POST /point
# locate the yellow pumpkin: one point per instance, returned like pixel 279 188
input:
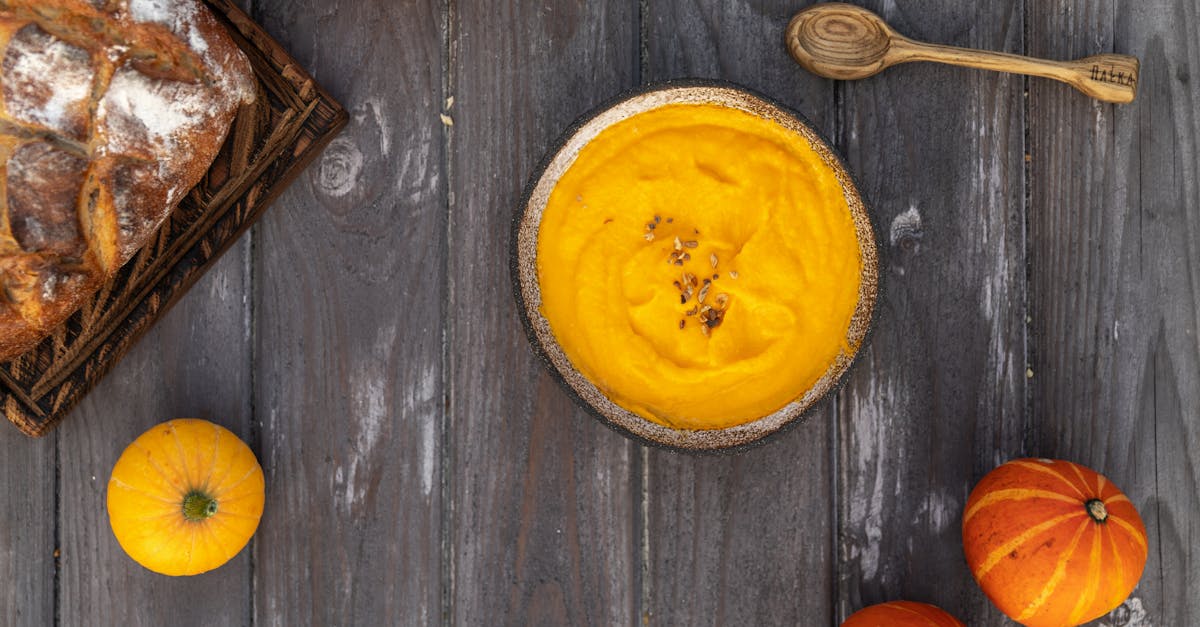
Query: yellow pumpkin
pixel 185 497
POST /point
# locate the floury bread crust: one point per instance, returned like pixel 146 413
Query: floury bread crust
pixel 110 112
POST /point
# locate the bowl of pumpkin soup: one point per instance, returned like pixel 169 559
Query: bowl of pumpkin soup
pixel 695 265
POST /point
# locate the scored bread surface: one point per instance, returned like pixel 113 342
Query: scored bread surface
pixel 110 112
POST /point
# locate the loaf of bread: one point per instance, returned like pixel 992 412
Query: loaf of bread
pixel 110 112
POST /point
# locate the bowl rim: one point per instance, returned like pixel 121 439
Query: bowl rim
pixel 523 252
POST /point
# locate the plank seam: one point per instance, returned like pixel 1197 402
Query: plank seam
pixel 643 42
pixel 1157 499
pixel 835 408
pixel 641 465
pixel 446 496
pixel 252 357
pixel 1029 436
pixel 56 595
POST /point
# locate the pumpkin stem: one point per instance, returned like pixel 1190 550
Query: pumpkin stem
pixel 1097 510
pixel 197 506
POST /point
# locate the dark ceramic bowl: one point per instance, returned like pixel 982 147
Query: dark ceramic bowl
pixel 525 275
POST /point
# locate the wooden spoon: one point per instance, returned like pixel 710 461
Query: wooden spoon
pixel 846 42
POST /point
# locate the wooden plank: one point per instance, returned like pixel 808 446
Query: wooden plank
pixel 348 305
pixel 745 539
pixel 194 363
pixel 541 496
pixel 939 398
pixel 27 528
pixel 1115 278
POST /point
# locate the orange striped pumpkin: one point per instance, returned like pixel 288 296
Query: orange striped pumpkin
pixel 1052 543
pixel 902 614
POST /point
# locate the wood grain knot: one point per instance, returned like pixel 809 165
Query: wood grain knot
pixel 340 167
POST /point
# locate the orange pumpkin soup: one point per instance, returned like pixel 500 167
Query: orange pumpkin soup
pixel 700 265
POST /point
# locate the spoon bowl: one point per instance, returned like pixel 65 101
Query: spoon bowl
pixel 840 41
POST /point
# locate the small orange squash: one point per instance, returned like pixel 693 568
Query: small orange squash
pixel 185 497
pixel 902 614
pixel 1052 543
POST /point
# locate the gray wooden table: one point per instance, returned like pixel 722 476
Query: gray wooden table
pixel 1042 298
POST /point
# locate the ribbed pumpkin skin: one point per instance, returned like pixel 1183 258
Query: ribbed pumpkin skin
pixel 154 475
pixel 902 614
pixel 1037 552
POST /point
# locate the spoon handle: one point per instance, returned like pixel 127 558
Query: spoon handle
pixel 1107 77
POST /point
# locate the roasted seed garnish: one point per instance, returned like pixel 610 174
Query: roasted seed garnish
pixel 657 219
pixel 711 317
pixel 670 220
pixel 733 274
pixel 689 283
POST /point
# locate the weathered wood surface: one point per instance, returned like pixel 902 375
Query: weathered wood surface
pixel 1115 280
pixel 349 410
pixel 28 536
pixel 423 469
pixel 938 399
pixel 540 503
